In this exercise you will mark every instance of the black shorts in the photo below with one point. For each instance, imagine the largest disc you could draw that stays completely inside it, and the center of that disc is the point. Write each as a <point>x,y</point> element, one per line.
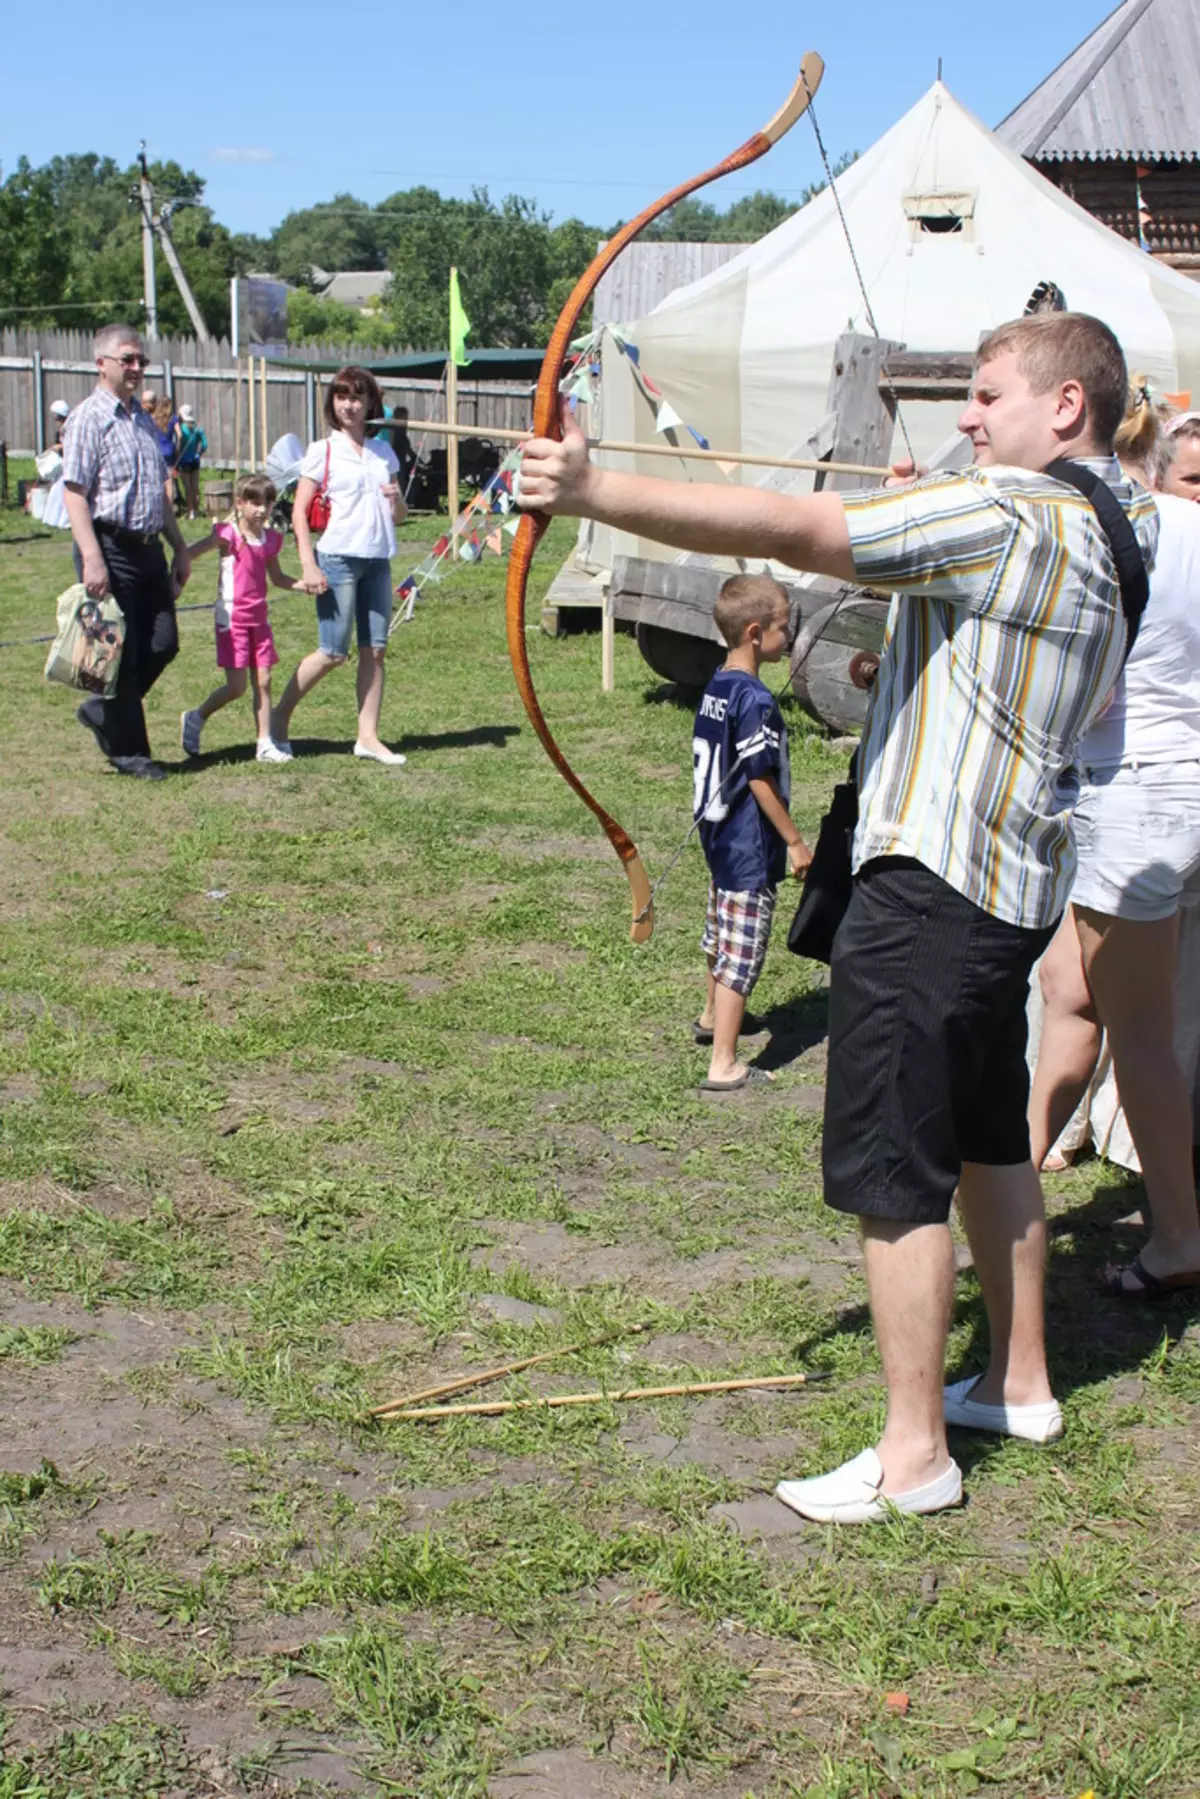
<point>927,1038</point>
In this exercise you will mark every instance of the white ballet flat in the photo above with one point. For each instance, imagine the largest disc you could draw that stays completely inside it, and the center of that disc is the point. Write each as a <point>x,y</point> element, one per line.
<point>391,758</point>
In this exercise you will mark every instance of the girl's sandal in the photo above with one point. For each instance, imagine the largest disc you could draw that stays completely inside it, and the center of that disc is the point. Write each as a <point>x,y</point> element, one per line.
<point>1152,1286</point>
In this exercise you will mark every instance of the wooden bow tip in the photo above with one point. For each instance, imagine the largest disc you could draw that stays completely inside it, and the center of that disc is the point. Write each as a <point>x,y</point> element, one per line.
<point>812,68</point>
<point>642,928</point>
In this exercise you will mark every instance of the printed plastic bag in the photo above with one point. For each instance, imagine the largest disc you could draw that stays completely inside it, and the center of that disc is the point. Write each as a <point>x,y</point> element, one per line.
<point>87,651</point>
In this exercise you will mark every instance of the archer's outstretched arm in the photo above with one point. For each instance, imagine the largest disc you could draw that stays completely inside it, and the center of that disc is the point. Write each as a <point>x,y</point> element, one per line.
<point>807,532</point>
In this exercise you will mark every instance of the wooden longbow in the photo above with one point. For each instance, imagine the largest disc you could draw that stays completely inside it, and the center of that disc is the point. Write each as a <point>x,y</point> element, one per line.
<point>546,424</point>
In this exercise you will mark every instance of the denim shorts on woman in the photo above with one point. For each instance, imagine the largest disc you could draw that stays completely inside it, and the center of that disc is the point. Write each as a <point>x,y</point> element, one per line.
<point>1137,835</point>
<point>927,1031</point>
<point>359,591</point>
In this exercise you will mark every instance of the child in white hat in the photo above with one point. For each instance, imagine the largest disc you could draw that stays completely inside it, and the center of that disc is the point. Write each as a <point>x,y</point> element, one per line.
<point>192,445</point>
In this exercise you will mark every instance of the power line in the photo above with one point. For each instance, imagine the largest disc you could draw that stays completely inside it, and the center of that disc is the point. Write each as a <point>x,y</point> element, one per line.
<point>562,181</point>
<point>72,306</point>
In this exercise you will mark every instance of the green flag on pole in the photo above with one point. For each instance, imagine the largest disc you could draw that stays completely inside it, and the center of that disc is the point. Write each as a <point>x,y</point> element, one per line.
<point>460,324</point>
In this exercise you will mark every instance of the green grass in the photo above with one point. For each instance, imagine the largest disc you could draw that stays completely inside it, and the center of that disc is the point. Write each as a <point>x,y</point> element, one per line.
<point>301,1069</point>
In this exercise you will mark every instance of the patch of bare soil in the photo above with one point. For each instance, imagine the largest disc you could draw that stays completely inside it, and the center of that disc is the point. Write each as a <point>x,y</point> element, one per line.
<point>557,1773</point>
<point>712,1440</point>
<point>575,1261</point>
<point>147,1449</point>
<point>282,1098</point>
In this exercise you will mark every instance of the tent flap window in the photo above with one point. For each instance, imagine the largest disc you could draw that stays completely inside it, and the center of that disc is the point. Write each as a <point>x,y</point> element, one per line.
<point>940,213</point>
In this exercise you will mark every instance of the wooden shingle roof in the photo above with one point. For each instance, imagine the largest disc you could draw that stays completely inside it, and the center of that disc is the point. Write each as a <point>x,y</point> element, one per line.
<point>1130,91</point>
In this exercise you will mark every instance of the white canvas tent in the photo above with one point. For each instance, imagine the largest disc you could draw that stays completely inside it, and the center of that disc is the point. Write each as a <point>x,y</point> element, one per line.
<point>952,231</point>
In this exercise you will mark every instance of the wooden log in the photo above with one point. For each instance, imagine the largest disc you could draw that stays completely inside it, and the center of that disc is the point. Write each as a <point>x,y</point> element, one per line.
<point>860,415</point>
<point>688,662</point>
<point>821,655</point>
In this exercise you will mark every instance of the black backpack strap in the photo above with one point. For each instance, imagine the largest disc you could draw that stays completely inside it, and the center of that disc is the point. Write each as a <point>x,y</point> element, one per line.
<point>1126,552</point>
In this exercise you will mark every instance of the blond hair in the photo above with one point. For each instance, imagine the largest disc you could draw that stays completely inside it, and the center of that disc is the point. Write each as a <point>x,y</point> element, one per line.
<point>1053,347</point>
<point>1139,440</point>
<point>746,600</point>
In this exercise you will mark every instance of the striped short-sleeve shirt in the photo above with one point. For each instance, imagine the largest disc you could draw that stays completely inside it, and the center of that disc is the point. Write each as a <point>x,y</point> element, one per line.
<point>112,452</point>
<point>1005,638</point>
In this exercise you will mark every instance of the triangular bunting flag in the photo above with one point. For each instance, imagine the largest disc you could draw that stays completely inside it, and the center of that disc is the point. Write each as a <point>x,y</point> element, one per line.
<point>495,541</point>
<point>667,418</point>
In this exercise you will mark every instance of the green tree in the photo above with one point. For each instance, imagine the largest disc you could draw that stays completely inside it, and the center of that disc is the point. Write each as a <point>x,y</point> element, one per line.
<point>342,233</point>
<point>34,266</point>
<point>312,319</point>
<point>749,218</point>
<point>97,230</point>
<point>515,266</point>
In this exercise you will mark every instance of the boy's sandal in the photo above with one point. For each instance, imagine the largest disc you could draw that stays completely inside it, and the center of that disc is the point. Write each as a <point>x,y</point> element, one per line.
<point>745,1079</point>
<point>1152,1286</point>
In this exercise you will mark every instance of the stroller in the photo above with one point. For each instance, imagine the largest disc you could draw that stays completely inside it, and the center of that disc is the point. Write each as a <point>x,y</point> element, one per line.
<point>283,466</point>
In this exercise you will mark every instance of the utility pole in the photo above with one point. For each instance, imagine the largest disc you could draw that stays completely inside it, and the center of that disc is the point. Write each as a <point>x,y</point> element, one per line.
<point>146,197</point>
<point>163,227</point>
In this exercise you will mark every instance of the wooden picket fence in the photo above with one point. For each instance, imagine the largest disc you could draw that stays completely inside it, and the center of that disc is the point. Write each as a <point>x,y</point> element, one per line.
<point>39,367</point>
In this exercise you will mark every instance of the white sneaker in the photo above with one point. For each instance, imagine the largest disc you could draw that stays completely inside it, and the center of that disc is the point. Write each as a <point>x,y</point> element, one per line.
<point>284,747</point>
<point>271,752</point>
<point>852,1495</point>
<point>392,758</point>
<point>190,726</point>
<point>1040,1423</point>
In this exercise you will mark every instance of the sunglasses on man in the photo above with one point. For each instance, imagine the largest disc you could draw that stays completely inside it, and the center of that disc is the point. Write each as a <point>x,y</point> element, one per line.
<point>132,361</point>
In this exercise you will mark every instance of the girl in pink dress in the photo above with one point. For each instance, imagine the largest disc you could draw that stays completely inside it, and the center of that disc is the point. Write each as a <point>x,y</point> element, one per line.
<point>249,556</point>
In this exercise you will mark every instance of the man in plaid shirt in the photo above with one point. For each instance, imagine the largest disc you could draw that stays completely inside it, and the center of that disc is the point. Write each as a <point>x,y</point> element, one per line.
<point>118,499</point>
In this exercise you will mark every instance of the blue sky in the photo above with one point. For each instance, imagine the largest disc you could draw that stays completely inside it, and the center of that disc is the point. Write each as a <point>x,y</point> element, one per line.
<point>315,99</point>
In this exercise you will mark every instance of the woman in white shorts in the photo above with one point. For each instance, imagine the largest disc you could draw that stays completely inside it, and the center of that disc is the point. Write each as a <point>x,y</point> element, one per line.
<point>1112,964</point>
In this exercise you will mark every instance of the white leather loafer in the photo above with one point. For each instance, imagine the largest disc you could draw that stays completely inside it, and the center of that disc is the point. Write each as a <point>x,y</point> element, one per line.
<point>1035,1423</point>
<point>852,1493</point>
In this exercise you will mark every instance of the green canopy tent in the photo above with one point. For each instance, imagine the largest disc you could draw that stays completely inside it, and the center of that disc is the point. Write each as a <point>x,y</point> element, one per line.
<point>483,365</point>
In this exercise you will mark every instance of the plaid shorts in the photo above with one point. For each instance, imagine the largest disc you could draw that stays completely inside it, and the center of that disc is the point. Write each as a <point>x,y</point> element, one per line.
<point>737,930</point>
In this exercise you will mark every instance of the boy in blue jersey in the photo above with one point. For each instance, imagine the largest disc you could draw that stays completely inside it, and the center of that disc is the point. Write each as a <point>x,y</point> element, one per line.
<point>742,783</point>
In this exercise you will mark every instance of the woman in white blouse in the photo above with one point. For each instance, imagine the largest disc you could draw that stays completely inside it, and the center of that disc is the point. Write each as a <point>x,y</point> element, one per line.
<point>356,474</point>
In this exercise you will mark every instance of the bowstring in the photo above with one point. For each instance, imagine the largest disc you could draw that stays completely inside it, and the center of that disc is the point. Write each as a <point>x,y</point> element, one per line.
<point>858,274</point>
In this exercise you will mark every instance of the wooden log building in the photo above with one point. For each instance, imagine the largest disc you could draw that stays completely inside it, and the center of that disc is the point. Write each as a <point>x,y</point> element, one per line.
<point>1117,127</point>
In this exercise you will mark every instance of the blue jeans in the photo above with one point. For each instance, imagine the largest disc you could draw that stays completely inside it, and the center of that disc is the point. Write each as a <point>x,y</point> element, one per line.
<point>359,591</point>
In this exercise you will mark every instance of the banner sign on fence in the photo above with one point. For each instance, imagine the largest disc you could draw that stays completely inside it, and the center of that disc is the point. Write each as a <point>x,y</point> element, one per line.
<point>258,311</point>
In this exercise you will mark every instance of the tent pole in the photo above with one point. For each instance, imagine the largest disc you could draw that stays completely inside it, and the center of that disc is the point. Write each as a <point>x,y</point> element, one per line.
<point>452,450</point>
<point>250,411</point>
<point>237,421</point>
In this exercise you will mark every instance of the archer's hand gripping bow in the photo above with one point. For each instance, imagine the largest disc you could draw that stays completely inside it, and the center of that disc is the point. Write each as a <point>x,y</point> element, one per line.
<point>546,424</point>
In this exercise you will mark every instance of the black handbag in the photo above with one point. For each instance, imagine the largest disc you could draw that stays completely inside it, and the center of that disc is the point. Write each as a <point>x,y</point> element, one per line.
<point>828,881</point>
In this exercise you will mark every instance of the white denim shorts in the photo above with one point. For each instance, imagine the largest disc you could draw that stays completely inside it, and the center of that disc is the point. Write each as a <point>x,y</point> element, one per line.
<point>1137,833</point>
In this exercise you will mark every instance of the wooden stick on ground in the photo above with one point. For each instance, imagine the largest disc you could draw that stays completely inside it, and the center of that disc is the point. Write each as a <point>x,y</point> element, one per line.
<point>679,452</point>
<point>462,1383</point>
<point>491,1408</point>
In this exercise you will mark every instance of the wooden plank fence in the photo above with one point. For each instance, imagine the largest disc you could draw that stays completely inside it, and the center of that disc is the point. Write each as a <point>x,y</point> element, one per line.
<point>39,367</point>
